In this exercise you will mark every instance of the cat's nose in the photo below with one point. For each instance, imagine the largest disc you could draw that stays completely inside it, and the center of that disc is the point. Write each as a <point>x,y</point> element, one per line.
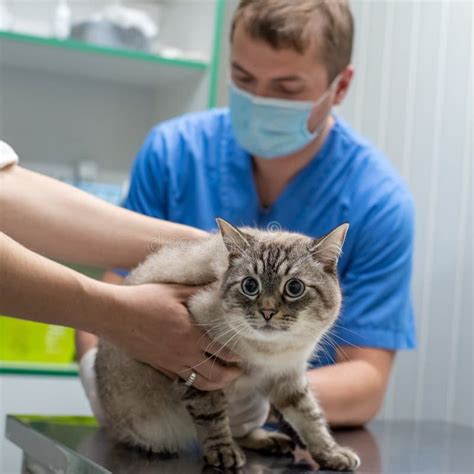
<point>267,314</point>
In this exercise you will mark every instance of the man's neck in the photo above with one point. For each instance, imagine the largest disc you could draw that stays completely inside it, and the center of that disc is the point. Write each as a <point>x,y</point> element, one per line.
<point>272,176</point>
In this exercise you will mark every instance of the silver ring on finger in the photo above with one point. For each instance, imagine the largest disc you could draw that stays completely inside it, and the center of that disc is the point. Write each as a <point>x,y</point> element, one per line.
<point>191,379</point>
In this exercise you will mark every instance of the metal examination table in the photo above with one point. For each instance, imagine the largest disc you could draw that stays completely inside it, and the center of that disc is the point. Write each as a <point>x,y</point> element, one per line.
<point>76,445</point>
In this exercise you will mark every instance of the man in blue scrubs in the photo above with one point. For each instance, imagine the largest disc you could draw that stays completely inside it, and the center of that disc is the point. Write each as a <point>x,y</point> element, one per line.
<point>278,158</point>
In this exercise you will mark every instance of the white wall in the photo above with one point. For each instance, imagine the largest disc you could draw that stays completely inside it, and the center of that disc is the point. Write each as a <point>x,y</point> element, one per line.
<point>412,96</point>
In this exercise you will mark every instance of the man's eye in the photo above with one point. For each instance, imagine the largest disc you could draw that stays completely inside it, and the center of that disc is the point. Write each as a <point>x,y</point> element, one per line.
<point>243,80</point>
<point>290,92</point>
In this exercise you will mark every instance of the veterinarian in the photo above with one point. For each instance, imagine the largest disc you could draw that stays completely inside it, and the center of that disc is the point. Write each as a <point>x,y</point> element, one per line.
<point>59,221</point>
<point>279,158</point>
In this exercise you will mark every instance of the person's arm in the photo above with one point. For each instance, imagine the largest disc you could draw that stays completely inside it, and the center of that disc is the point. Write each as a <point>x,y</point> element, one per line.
<point>149,322</point>
<point>352,390</point>
<point>85,341</point>
<point>62,222</point>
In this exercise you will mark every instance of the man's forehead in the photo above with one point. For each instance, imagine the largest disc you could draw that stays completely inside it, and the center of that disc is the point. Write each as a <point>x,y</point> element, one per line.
<point>256,56</point>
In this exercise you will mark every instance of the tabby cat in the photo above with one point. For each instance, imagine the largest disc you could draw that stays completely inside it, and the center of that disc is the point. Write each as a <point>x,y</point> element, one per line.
<point>274,295</point>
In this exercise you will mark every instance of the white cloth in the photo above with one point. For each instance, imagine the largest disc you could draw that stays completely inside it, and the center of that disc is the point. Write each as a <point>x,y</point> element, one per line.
<point>87,375</point>
<point>7,155</point>
<point>247,414</point>
<point>128,18</point>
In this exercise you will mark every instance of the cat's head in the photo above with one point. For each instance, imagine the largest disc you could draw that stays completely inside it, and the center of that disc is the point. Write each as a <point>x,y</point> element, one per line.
<point>281,285</point>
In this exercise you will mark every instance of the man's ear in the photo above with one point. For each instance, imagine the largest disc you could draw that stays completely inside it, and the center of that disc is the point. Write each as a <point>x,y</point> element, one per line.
<point>327,249</point>
<point>236,241</point>
<point>344,84</point>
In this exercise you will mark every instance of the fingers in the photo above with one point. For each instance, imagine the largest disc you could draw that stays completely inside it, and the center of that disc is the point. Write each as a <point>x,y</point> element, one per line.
<point>211,368</point>
<point>216,373</point>
<point>215,349</point>
<point>200,382</point>
<point>210,375</point>
<point>212,348</point>
<point>168,373</point>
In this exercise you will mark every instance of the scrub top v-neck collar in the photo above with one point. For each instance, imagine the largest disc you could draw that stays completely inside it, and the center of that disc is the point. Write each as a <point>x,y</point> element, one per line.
<point>239,194</point>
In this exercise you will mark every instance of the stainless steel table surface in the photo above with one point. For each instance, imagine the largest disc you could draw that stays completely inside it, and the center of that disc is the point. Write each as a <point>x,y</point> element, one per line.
<point>77,445</point>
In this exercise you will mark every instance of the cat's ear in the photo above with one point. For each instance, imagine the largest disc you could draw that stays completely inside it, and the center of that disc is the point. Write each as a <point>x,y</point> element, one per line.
<point>236,241</point>
<point>327,249</point>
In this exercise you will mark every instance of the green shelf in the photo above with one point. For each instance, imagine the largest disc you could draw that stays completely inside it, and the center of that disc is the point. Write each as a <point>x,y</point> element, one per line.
<point>39,368</point>
<point>103,50</point>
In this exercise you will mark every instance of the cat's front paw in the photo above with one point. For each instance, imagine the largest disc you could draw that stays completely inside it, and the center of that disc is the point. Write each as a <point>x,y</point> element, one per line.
<point>338,459</point>
<point>227,455</point>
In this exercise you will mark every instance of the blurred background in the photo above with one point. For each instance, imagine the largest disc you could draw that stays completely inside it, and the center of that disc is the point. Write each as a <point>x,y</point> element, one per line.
<point>82,82</point>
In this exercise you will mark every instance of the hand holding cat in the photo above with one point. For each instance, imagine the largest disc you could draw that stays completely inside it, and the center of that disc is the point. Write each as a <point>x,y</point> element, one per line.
<point>152,324</point>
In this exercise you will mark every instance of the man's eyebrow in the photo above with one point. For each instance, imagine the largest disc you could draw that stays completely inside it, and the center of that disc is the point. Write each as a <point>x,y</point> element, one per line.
<point>289,78</point>
<point>240,68</point>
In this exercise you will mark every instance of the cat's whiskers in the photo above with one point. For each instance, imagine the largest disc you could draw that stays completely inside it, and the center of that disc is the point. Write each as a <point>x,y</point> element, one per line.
<point>216,343</point>
<point>345,341</point>
<point>319,348</point>
<point>246,328</point>
<point>327,339</point>
<point>207,322</point>
<point>215,336</point>
<point>211,331</point>
<point>246,331</point>
<point>213,356</point>
<point>326,353</point>
<point>333,345</point>
<point>347,329</point>
<point>211,322</point>
<point>213,325</point>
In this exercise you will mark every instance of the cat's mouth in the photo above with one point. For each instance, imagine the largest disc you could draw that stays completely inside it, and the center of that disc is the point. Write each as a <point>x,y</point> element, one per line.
<point>267,327</point>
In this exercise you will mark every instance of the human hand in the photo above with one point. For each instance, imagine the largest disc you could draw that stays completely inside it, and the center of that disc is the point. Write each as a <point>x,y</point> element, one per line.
<point>152,324</point>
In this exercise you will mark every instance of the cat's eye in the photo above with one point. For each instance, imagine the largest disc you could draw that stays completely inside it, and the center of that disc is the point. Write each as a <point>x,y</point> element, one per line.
<point>294,288</point>
<point>250,286</point>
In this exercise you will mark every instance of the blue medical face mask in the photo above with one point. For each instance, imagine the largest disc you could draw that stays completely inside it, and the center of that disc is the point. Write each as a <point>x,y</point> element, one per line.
<point>272,128</point>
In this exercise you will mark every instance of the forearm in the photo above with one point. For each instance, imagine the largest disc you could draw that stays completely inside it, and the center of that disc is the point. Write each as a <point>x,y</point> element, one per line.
<point>62,222</point>
<point>350,393</point>
<point>35,288</point>
<point>86,341</point>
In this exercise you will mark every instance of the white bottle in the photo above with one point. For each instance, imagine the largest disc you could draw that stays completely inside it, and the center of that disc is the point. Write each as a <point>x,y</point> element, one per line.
<point>62,20</point>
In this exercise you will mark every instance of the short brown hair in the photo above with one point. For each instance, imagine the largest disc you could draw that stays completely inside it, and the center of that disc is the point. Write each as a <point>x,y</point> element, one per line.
<point>296,24</point>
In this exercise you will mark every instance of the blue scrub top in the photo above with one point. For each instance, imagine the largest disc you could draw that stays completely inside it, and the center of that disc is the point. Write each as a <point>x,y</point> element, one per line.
<point>191,170</point>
